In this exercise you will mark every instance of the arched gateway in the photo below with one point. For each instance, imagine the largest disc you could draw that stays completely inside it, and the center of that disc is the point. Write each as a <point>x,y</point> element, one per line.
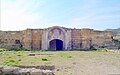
<point>56,44</point>
<point>56,38</point>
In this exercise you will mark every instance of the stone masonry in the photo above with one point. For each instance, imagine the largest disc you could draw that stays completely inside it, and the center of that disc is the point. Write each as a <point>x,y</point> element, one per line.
<point>55,38</point>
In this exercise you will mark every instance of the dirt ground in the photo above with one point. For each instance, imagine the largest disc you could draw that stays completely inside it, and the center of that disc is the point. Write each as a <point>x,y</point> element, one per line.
<point>69,62</point>
<point>87,67</point>
<point>102,64</point>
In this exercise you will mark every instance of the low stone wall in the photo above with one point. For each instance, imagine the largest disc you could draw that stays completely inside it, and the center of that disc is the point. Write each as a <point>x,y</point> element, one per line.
<point>26,70</point>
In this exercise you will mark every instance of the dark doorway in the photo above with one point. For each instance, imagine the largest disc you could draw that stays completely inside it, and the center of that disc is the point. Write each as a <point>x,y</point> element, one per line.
<point>56,44</point>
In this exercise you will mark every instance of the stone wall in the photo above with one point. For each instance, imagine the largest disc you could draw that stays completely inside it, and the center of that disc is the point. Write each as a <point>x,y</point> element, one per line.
<point>38,39</point>
<point>81,38</point>
<point>76,39</point>
<point>87,38</point>
<point>102,38</point>
<point>32,38</point>
<point>10,39</point>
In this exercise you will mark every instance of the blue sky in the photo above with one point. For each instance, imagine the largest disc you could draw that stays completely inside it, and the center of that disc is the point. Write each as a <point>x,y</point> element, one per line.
<point>95,14</point>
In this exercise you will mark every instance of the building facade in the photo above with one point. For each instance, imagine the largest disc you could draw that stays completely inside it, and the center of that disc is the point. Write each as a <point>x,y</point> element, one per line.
<point>55,38</point>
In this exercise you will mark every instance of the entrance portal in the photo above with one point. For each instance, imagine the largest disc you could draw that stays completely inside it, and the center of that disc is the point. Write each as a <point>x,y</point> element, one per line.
<point>56,44</point>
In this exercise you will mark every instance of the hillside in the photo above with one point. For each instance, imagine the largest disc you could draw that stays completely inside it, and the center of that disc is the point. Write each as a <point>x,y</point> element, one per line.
<point>116,33</point>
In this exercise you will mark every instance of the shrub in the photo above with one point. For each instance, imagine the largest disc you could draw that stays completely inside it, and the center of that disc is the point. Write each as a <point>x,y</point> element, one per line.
<point>44,59</point>
<point>2,49</point>
<point>11,60</point>
<point>19,55</point>
<point>19,60</point>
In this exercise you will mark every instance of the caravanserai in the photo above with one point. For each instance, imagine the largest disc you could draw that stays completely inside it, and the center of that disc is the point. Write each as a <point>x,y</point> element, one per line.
<point>55,38</point>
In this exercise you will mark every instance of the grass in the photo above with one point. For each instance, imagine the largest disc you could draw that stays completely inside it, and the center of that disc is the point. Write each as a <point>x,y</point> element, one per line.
<point>22,58</point>
<point>10,63</point>
<point>2,49</point>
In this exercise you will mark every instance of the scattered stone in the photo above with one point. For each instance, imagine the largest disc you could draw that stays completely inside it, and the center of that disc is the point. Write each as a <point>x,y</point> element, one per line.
<point>114,50</point>
<point>58,69</point>
<point>1,69</point>
<point>39,67</point>
<point>48,72</point>
<point>25,71</point>
<point>10,70</point>
<point>37,73</point>
<point>31,55</point>
<point>41,54</point>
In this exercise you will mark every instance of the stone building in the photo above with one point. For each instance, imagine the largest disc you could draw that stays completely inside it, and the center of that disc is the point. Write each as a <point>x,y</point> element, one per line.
<point>55,38</point>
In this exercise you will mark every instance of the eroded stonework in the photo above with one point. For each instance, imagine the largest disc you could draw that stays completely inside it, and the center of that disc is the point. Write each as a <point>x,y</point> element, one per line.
<point>55,38</point>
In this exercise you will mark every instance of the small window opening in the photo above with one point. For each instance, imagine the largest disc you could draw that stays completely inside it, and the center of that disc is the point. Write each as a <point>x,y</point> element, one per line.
<point>17,41</point>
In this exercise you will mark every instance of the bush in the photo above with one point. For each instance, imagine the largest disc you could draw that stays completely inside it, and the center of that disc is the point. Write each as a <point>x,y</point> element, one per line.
<point>19,55</point>
<point>11,60</point>
<point>2,49</point>
<point>19,60</point>
<point>44,59</point>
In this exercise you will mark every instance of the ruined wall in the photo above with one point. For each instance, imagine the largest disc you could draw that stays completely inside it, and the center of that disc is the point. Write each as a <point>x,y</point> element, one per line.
<point>27,38</point>
<point>102,38</point>
<point>76,39</point>
<point>32,38</point>
<point>81,38</point>
<point>38,39</point>
<point>87,38</point>
<point>10,39</point>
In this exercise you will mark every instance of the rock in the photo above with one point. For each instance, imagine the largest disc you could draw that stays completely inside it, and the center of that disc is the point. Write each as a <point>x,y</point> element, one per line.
<point>31,55</point>
<point>46,67</point>
<point>24,71</point>
<point>48,72</point>
<point>58,69</point>
<point>10,70</point>
<point>1,69</point>
<point>37,73</point>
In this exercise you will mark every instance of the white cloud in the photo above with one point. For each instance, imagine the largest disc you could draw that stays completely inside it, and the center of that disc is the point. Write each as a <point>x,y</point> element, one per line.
<point>17,17</point>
